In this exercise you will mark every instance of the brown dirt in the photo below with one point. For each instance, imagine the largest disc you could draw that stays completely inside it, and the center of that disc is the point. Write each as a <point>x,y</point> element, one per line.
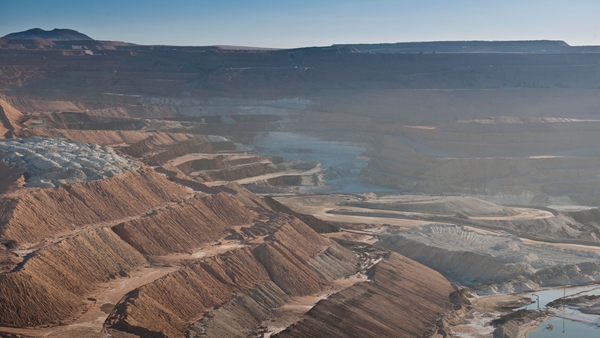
<point>11,179</point>
<point>50,286</point>
<point>169,304</point>
<point>42,213</point>
<point>375,309</point>
<point>10,119</point>
<point>197,221</point>
<point>116,137</point>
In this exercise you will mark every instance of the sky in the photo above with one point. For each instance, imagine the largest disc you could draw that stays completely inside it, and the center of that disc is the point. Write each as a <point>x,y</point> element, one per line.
<point>286,23</point>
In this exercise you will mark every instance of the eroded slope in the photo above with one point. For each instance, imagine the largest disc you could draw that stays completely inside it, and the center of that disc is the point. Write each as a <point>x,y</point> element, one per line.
<point>403,299</point>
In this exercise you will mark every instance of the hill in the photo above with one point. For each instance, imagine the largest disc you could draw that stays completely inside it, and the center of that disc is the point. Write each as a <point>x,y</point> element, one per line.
<point>57,34</point>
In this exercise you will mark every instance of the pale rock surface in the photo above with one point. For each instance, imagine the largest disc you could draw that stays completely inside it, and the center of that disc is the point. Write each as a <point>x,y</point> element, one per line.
<point>494,263</point>
<point>49,162</point>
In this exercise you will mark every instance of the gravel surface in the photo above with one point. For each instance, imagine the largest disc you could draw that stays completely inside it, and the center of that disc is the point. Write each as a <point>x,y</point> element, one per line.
<point>49,162</point>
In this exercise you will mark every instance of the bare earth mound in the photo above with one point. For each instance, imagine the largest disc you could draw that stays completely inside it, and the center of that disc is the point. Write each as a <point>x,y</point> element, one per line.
<point>494,263</point>
<point>375,309</point>
<point>32,216</point>
<point>293,261</point>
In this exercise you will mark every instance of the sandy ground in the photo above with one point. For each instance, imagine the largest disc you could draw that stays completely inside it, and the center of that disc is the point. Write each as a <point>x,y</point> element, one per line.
<point>589,248</point>
<point>28,248</point>
<point>199,156</point>
<point>522,214</point>
<point>254,179</point>
<point>107,295</point>
<point>208,250</point>
<point>320,206</point>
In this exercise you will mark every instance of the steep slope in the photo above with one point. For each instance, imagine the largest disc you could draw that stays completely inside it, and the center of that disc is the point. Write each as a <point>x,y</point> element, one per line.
<point>404,299</point>
<point>11,178</point>
<point>197,221</point>
<point>272,271</point>
<point>37,214</point>
<point>9,119</point>
<point>50,286</point>
<point>313,222</point>
<point>166,307</point>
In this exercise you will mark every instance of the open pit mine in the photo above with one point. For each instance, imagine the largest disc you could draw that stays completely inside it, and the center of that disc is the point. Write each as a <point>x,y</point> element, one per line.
<point>445,189</point>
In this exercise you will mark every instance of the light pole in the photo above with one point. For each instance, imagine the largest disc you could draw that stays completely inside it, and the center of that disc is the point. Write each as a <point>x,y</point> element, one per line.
<point>538,300</point>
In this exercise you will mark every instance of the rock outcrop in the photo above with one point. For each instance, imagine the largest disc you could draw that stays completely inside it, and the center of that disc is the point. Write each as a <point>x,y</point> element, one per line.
<point>9,119</point>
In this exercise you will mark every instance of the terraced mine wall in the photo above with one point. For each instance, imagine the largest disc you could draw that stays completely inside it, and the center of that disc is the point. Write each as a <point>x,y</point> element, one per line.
<point>313,222</point>
<point>589,217</point>
<point>218,162</point>
<point>239,172</point>
<point>50,286</point>
<point>403,299</point>
<point>197,221</point>
<point>181,149</point>
<point>241,315</point>
<point>119,137</point>
<point>293,261</point>
<point>42,213</point>
<point>80,121</point>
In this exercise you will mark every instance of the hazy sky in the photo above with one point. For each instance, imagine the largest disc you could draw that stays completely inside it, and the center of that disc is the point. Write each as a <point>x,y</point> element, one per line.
<point>284,23</point>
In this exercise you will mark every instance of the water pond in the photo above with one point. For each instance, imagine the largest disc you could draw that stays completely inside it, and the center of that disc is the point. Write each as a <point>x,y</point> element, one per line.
<point>569,322</point>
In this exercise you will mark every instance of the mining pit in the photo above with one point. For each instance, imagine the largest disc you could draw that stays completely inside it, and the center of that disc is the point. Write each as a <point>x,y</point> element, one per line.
<point>405,194</point>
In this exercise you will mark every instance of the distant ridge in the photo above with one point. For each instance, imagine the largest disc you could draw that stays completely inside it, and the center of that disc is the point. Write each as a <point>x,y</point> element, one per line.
<point>56,34</point>
<point>62,39</point>
<point>534,46</point>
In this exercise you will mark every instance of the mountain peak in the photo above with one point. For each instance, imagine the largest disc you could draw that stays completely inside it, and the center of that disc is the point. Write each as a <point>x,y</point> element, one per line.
<point>57,34</point>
